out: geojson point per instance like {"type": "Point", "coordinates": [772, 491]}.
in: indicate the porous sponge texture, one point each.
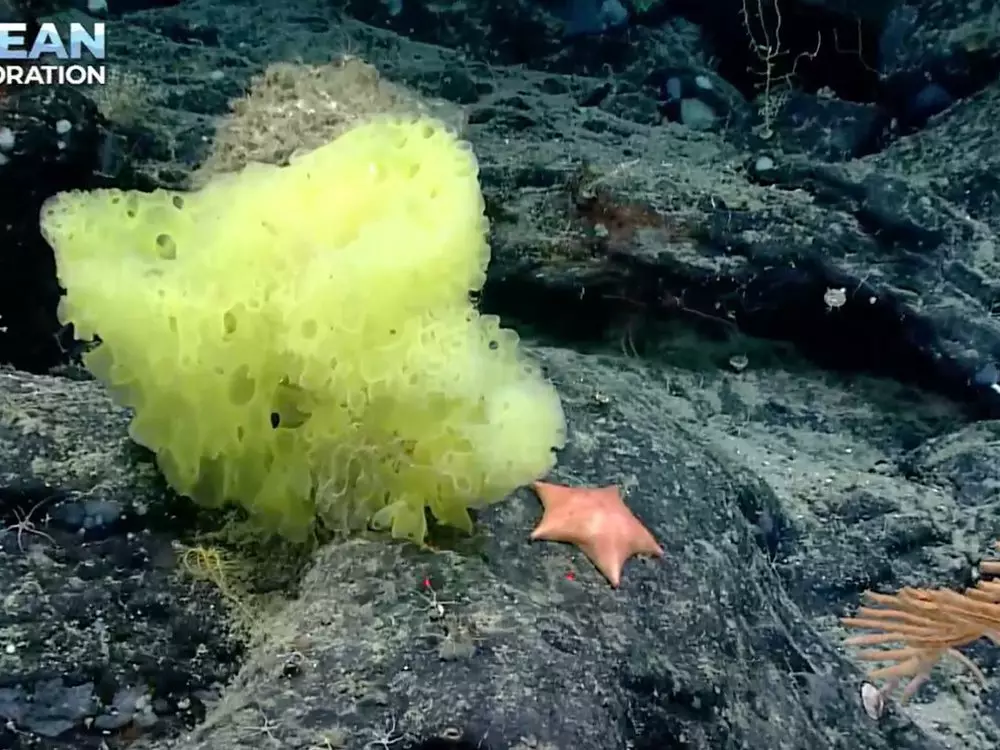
{"type": "Point", "coordinates": [300, 339]}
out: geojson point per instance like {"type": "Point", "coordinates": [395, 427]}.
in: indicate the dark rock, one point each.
{"type": "Point", "coordinates": [827, 129]}
{"type": "Point", "coordinates": [932, 53]}
{"type": "Point", "coordinates": [95, 618]}
{"type": "Point", "coordinates": [55, 135]}
{"type": "Point", "coordinates": [122, 7]}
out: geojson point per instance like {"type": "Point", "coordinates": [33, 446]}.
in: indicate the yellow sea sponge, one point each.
{"type": "Point", "coordinates": [299, 340]}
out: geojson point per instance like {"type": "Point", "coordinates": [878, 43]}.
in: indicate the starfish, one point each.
{"type": "Point", "coordinates": [598, 522]}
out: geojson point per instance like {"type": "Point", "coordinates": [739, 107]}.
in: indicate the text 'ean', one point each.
{"type": "Point", "coordinates": [56, 54]}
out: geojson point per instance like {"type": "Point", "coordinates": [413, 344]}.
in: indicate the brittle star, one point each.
{"type": "Point", "coordinates": [26, 525]}
{"type": "Point", "coordinates": [385, 736]}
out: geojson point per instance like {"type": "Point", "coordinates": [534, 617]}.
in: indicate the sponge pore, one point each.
{"type": "Point", "coordinates": [299, 340]}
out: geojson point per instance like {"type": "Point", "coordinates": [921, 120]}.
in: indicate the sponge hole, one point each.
{"type": "Point", "coordinates": [309, 328]}
{"type": "Point", "coordinates": [166, 248]}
